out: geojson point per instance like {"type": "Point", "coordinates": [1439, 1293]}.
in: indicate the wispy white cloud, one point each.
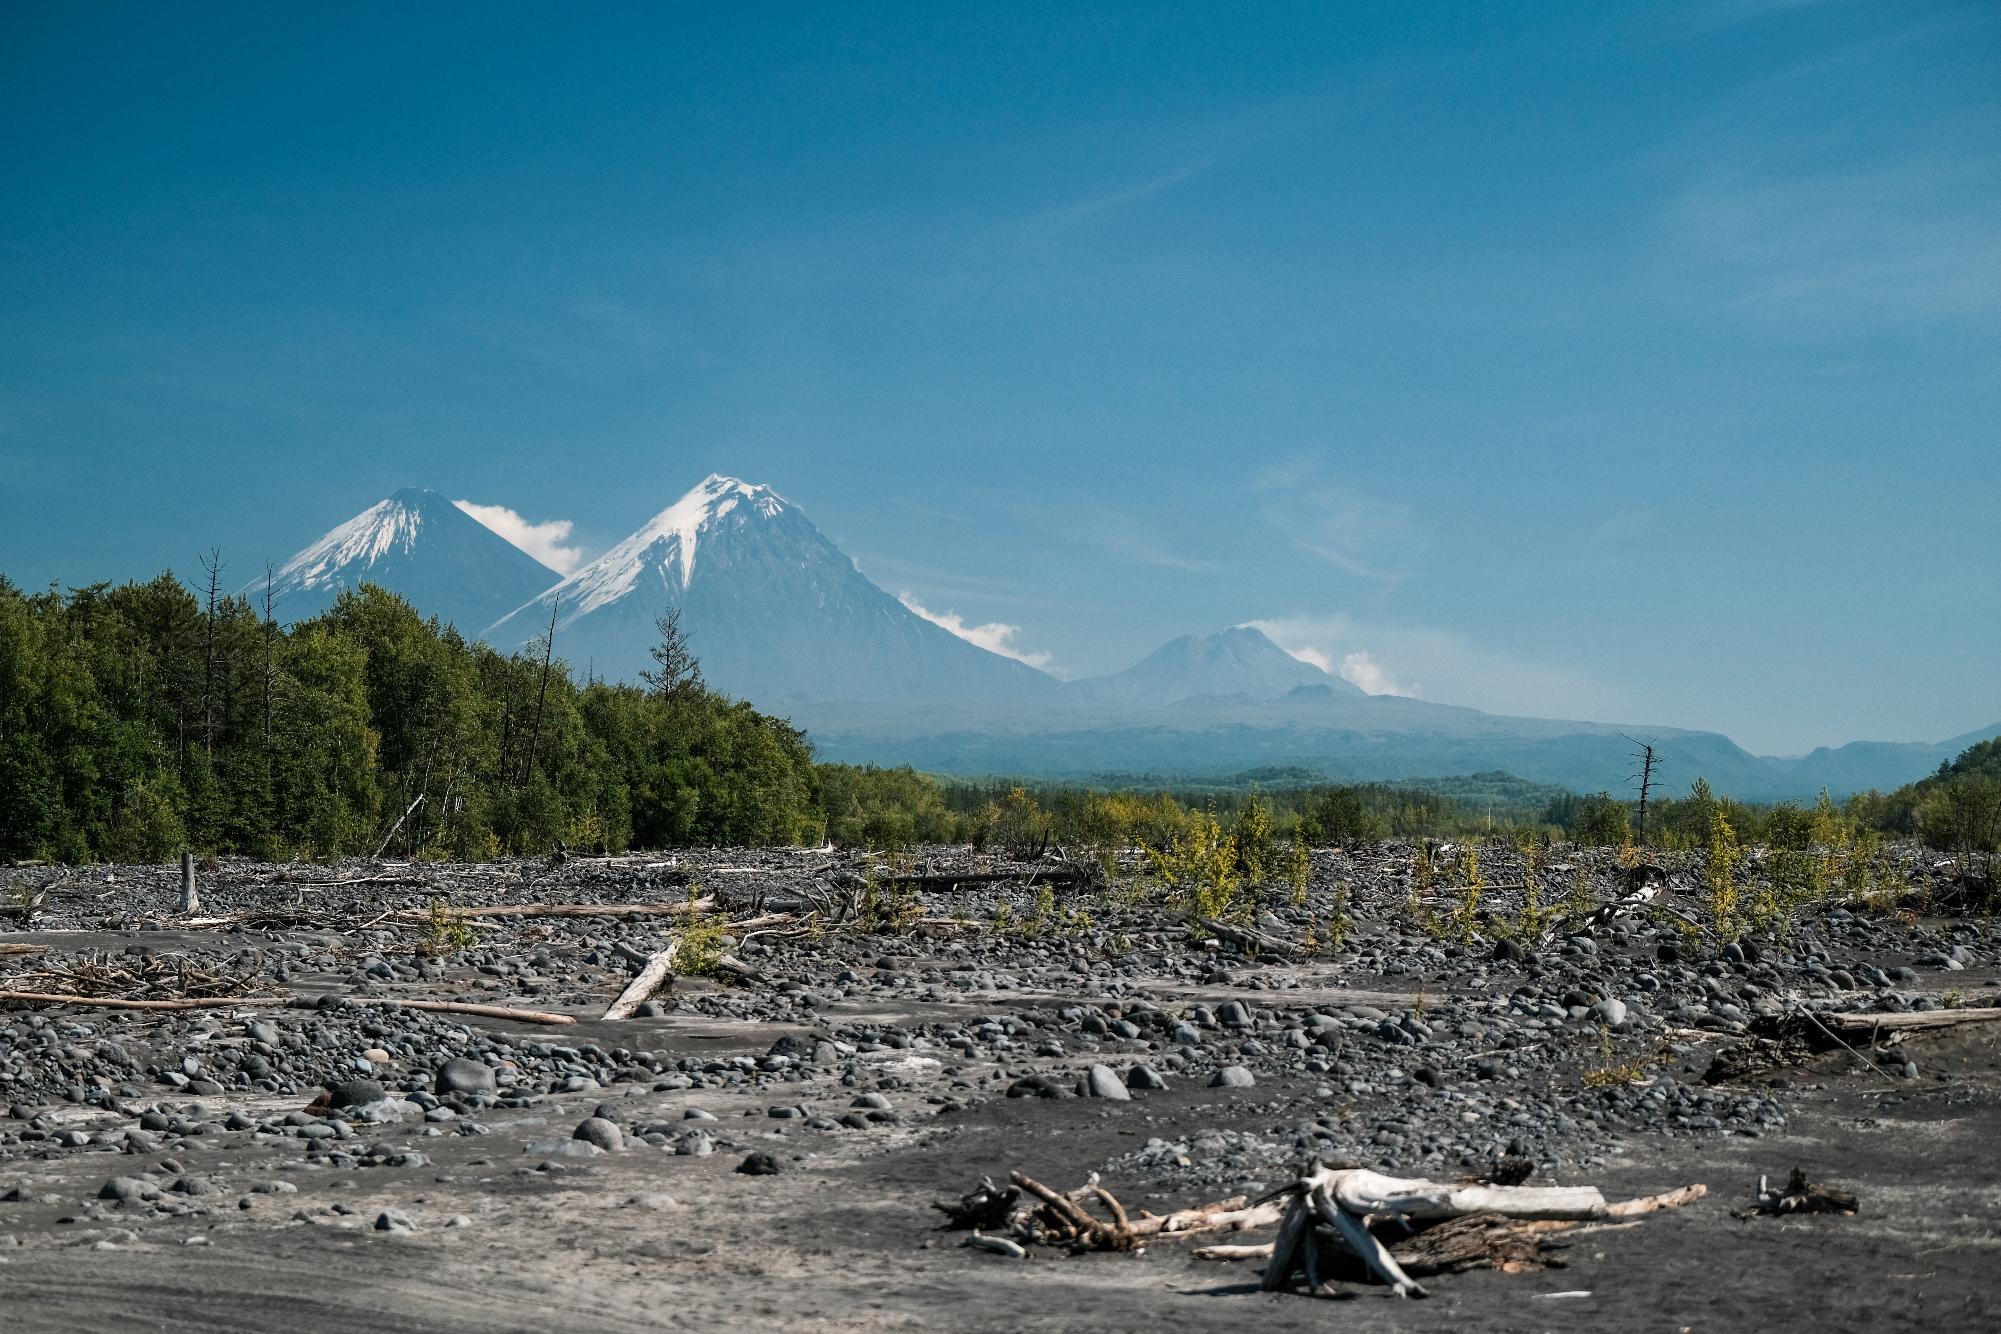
{"type": "Point", "coordinates": [994, 636]}
{"type": "Point", "coordinates": [1173, 162]}
{"type": "Point", "coordinates": [1889, 243]}
{"type": "Point", "coordinates": [1127, 537]}
{"type": "Point", "coordinates": [1795, 204]}
{"type": "Point", "coordinates": [1362, 534]}
{"type": "Point", "coordinates": [544, 541]}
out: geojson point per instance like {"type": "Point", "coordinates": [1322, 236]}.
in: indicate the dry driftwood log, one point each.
{"type": "Point", "coordinates": [1487, 1229]}
{"type": "Point", "coordinates": [686, 908]}
{"type": "Point", "coordinates": [1325, 1220]}
{"type": "Point", "coordinates": [1889, 1023]}
{"type": "Point", "coordinates": [658, 971]}
{"type": "Point", "coordinates": [246, 1002]}
{"type": "Point", "coordinates": [1247, 939]}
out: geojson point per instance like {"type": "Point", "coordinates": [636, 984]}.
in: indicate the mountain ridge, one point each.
{"type": "Point", "coordinates": [780, 615]}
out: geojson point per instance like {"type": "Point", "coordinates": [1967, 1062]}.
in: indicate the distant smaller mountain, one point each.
{"type": "Point", "coordinates": [1238, 662]}
{"type": "Point", "coordinates": [420, 545]}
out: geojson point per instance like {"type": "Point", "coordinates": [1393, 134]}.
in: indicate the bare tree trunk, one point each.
{"type": "Point", "coordinates": [270, 629]}
{"type": "Point", "coordinates": [1648, 762]}
{"type": "Point", "coordinates": [212, 563]}
{"type": "Point", "coordinates": [542, 695]}
{"type": "Point", "coordinates": [190, 899]}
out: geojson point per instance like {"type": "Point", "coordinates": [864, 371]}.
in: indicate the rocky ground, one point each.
{"type": "Point", "coordinates": [764, 1149]}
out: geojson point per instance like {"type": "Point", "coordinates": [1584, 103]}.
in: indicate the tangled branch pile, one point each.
{"type": "Point", "coordinates": [135, 977]}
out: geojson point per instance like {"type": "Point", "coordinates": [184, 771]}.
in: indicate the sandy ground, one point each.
{"type": "Point", "coordinates": [843, 1238]}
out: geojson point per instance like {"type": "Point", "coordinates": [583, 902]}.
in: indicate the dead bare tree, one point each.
{"type": "Point", "coordinates": [211, 563]}
{"type": "Point", "coordinates": [1649, 761]}
{"type": "Point", "coordinates": [542, 695]}
{"type": "Point", "coordinates": [270, 636]}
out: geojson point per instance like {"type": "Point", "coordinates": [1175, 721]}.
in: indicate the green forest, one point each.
{"type": "Point", "coordinates": [140, 719]}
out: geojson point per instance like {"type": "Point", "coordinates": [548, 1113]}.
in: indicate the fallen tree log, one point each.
{"type": "Point", "coordinates": [657, 972]}
{"type": "Point", "coordinates": [1244, 938]}
{"type": "Point", "coordinates": [467, 1007]}
{"type": "Point", "coordinates": [1489, 1226]}
{"type": "Point", "coordinates": [687, 908]}
{"type": "Point", "coordinates": [119, 1003]}
{"type": "Point", "coordinates": [246, 1002]}
{"type": "Point", "coordinates": [1865, 1022]}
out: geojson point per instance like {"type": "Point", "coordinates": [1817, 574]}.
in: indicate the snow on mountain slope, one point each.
{"type": "Point", "coordinates": [420, 545]}
{"type": "Point", "coordinates": [773, 610]}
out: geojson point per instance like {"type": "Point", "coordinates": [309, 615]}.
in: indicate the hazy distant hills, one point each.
{"type": "Point", "coordinates": [781, 616]}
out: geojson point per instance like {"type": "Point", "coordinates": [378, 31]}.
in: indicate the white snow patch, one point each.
{"type": "Point", "coordinates": [666, 545]}
{"type": "Point", "coordinates": [369, 536]}
{"type": "Point", "coordinates": [544, 541]}
{"type": "Point", "coordinates": [994, 636]}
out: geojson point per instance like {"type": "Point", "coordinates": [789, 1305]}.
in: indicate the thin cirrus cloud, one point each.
{"type": "Point", "coordinates": [1365, 536]}
{"type": "Point", "coordinates": [994, 636]}
{"type": "Point", "coordinates": [544, 541]}
{"type": "Point", "coordinates": [1892, 243]}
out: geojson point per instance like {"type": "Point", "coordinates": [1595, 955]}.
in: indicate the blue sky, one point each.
{"type": "Point", "coordinates": [1631, 362]}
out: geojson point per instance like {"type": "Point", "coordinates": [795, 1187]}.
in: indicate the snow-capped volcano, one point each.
{"type": "Point", "coordinates": [665, 549]}
{"type": "Point", "coordinates": [773, 610]}
{"type": "Point", "coordinates": [418, 544]}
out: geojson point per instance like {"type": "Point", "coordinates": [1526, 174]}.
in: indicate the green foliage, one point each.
{"type": "Point", "coordinates": [146, 826]}
{"type": "Point", "coordinates": [1342, 815]}
{"type": "Point", "coordinates": [1251, 833]}
{"type": "Point", "coordinates": [1202, 867]}
{"type": "Point", "coordinates": [1533, 919]}
{"type": "Point", "coordinates": [1598, 820]}
{"type": "Point", "coordinates": [1299, 869]}
{"type": "Point", "coordinates": [700, 948]}
{"type": "Point", "coordinates": [1957, 809]}
{"type": "Point", "coordinates": [884, 809]}
{"type": "Point", "coordinates": [1466, 914]}
{"type": "Point", "coordinates": [1020, 825]}
{"type": "Point", "coordinates": [447, 932]}
{"type": "Point", "coordinates": [118, 740]}
{"type": "Point", "coordinates": [1721, 875]}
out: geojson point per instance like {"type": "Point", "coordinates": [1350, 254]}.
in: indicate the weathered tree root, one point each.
{"type": "Point", "coordinates": [1324, 1220]}
{"type": "Point", "coordinates": [1502, 1227]}
{"type": "Point", "coordinates": [1063, 1221]}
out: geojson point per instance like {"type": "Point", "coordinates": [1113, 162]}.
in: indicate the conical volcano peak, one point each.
{"type": "Point", "coordinates": [672, 536]}
{"type": "Point", "coordinates": [417, 543]}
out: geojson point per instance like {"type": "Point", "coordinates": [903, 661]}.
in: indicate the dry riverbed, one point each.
{"type": "Point", "coordinates": [764, 1148]}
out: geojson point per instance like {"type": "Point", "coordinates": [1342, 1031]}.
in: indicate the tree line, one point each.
{"type": "Point", "coordinates": [1957, 809]}
{"type": "Point", "coordinates": [141, 718]}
